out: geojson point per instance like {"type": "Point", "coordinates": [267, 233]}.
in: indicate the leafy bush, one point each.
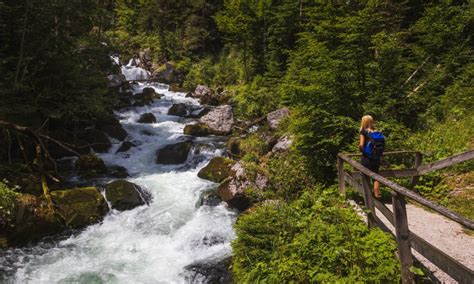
{"type": "Point", "coordinates": [445, 139]}
{"type": "Point", "coordinates": [317, 238]}
{"type": "Point", "coordinates": [289, 176]}
{"type": "Point", "coordinates": [7, 204]}
{"type": "Point", "coordinates": [256, 99]}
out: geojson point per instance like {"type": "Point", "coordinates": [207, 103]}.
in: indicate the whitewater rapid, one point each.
{"type": "Point", "coordinates": [149, 244]}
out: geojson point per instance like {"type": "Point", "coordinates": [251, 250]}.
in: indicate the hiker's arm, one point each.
{"type": "Point", "coordinates": [361, 142]}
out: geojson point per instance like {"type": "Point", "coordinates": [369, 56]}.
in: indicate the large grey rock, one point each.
{"type": "Point", "coordinates": [123, 195]}
{"type": "Point", "coordinates": [219, 120]}
{"type": "Point", "coordinates": [274, 118]}
{"type": "Point", "coordinates": [201, 91]}
{"type": "Point", "coordinates": [283, 144]}
{"type": "Point", "coordinates": [174, 154]}
{"type": "Point", "coordinates": [233, 189]}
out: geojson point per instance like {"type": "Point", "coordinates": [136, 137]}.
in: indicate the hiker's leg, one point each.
{"type": "Point", "coordinates": [377, 189]}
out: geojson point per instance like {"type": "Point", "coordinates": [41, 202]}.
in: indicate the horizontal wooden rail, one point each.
{"type": "Point", "coordinates": [452, 267]}
{"type": "Point", "coordinates": [399, 173]}
{"type": "Point", "coordinates": [407, 240]}
{"type": "Point", "coordinates": [456, 159]}
{"type": "Point", "coordinates": [385, 153]}
{"type": "Point", "coordinates": [408, 193]}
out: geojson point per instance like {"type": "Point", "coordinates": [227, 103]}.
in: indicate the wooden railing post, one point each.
{"type": "Point", "coordinates": [340, 174]}
{"type": "Point", "coordinates": [369, 201]}
{"type": "Point", "coordinates": [402, 236]}
{"type": "Point", "coordinates": [417, 163]}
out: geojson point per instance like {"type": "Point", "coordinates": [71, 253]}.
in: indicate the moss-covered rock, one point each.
{"type": "Point", "coordinates": [34, 219]}
{"type": "Point", "coordinates": [90, 166]}
{"type": "Point", "coordinates": [80, 207]}
{"type": "Point", "coordinates": [196, 130]}
{"type": "Point", "coordinates": [124, 195]}
{"type": "Point", "coordinates": [217, 170]}
{"type": "Point", "coordinates": [174, 154]}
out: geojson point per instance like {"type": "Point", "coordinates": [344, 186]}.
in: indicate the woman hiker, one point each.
{"type": "Point", "coordinates": [371, 144]}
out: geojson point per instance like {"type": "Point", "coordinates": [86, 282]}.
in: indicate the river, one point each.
{"type": "Point", "coordinates": [149, 244]}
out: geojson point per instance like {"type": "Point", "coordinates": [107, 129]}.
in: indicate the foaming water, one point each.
{"type": "Point", "coordinates": [149, 244]}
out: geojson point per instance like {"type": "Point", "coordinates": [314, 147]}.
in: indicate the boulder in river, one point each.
{"type": "Point", "coordinates": [147, 118]}
{"type": "Point", "coordinates": [197, 129]}
{"type": "Point", "coordinates": [174, 154]}
{"type": "Point", "coordinates": [110, 125]}
{"type": "Point", "coordinates": [219, 120]}
{"type": "Point", "coordinates": [217, 271]}
{"type": "Point", "coordinates": [80, 207]}
{"type": "Point", "coordinates": [127, 145]}
{"type": "Point", "coordinates": [90, 166]}
{"type": "Point", "coordinates": [210, 198]}
{"type": "Point", "coordinates": [217, 169]}
{"type": "Point", "coordinates": [117, 172]}
{"type": "Point", "coordinates": [97, 139]}
{"type": "Point", "coordinates": [33, 219]}
{"type": "Point", "coordinates": [124, 195]}
{"type": "Point", "coordinates": [178, 110]}
{"type": "Point", "coordinates": [276, 117]}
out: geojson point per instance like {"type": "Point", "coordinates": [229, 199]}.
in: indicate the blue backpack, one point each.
{"type": "Point", "coordinates": [375, 145]}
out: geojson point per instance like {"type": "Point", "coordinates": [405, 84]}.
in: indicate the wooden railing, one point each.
{"type": "Point", "coordinates": [406, 240]}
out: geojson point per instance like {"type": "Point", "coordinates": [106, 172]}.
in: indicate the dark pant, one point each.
{"type": "Point", "coordinates": [373, 165]}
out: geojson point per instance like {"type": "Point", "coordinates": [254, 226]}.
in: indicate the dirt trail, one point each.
{"type": "Point", "coordinates": [442, 233]}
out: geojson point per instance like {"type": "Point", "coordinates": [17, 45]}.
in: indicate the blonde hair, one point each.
{"type": "Point", "coordinates": [367, 123]}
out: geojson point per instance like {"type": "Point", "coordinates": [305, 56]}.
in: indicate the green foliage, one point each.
{"type": "Point", "coordinates": [256, 99]}
{"type": "Point", "coordinates": [319, 136]}
{"type": "Point", "coordinates": [223, 71]}
{"type": "Point", "coordinates": [317, 238]}
{"type": "Point", "coordinates": [289, 176]}
{"type": "Point", "coordinates": [7, 204]}
{"type": "Point", "coordinates": [445, 139]}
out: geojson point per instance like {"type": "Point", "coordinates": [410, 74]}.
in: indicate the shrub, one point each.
{"type": "Point", "coordinates": [317, 238]}
{"type": "Point", "coordinates": [7, 204]}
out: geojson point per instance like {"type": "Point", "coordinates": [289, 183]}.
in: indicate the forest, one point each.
{"type": "Point", "coordinates": [407, 63]}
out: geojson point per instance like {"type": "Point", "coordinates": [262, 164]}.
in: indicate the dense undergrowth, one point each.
{"type": "Point", "coordinates": [316, 238]}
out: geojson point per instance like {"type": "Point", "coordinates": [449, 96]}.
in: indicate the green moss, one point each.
{"type": "Point", "coordinates": [217, 170]}
{"type": "Point", "coordinates": [7, 204]}
{"type": "Point", "coordinates": [80, 207]}
{"type": "Point", "coordinates": [196, 130]}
